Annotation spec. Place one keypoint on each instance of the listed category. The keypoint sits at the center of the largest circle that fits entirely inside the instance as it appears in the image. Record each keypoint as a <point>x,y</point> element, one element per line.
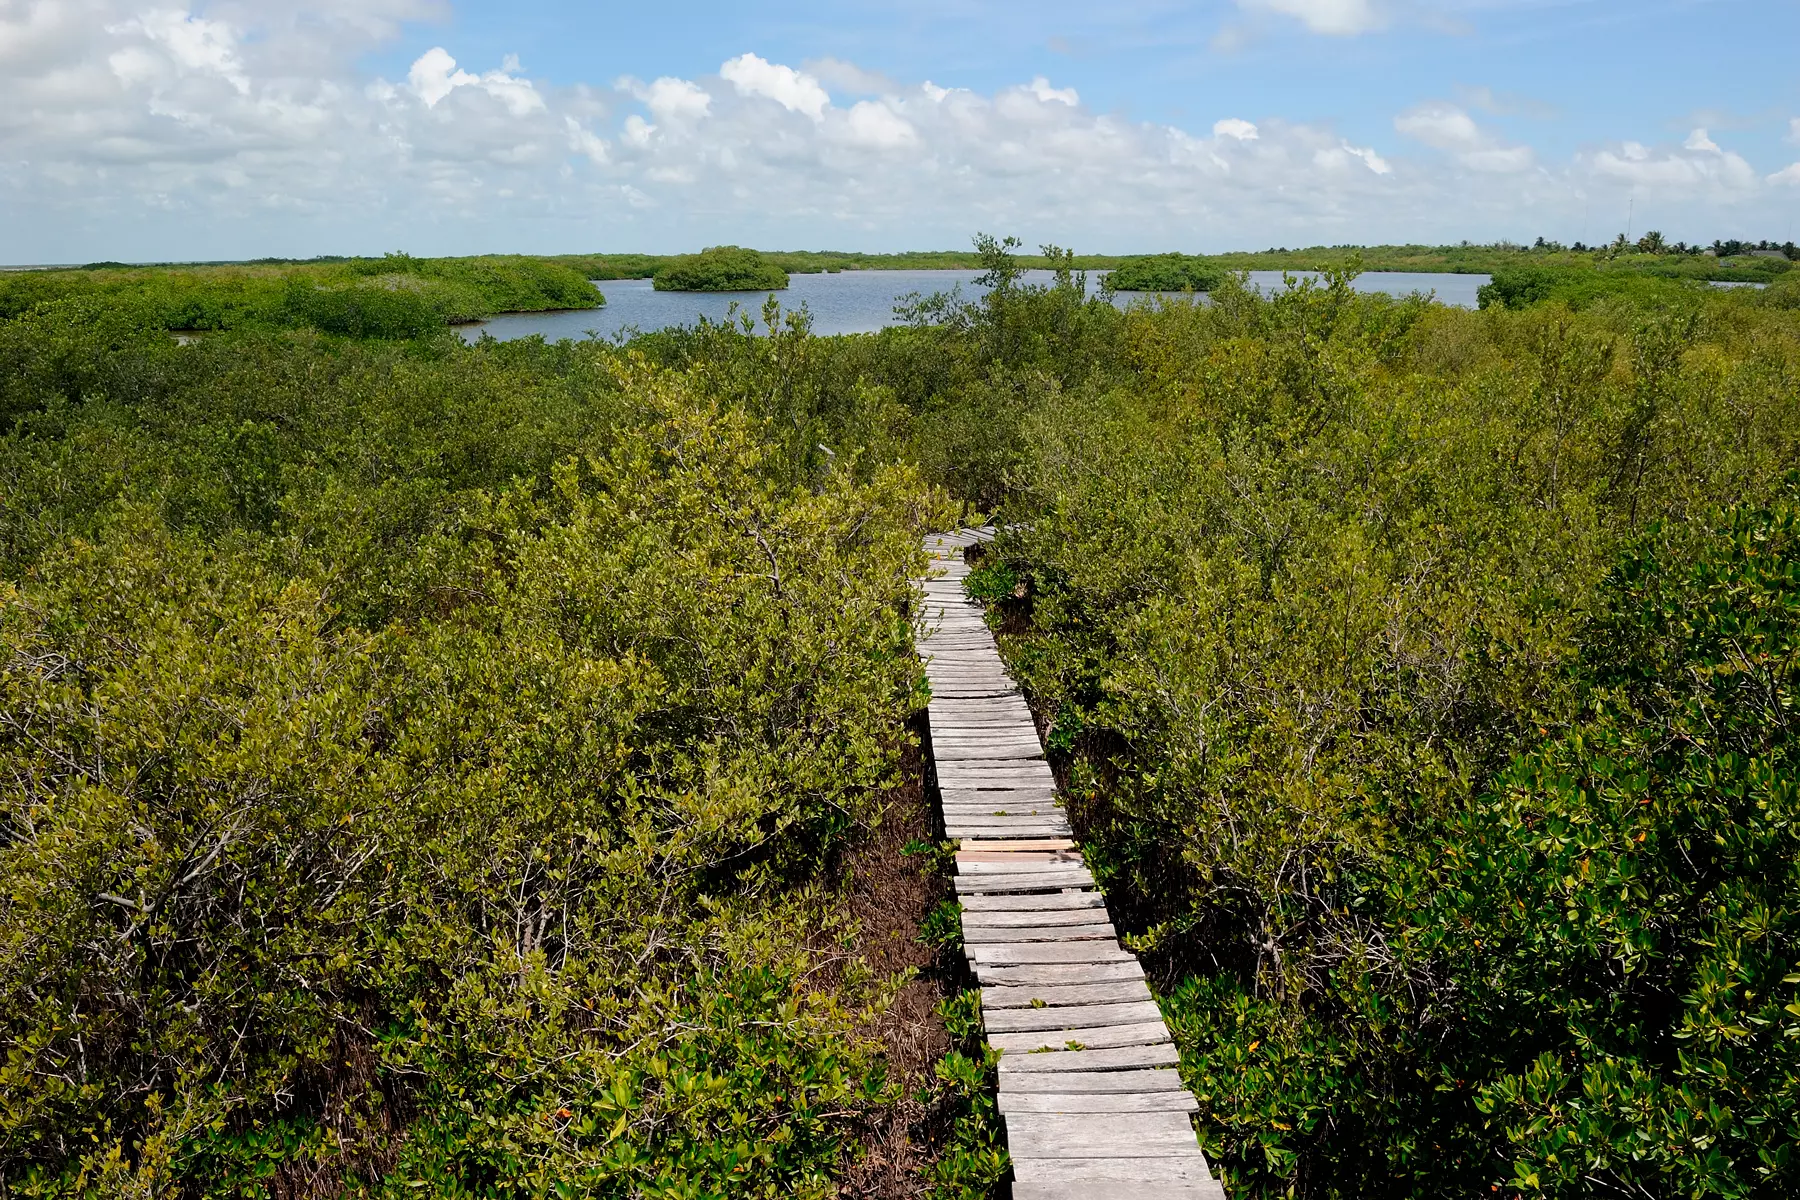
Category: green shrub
<point>250,936</point>
<point>1164,273</point>
<point>720,269</point>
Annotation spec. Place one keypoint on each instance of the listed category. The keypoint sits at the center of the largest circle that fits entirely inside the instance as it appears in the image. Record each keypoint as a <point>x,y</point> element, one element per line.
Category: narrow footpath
<point>1093,1104</point>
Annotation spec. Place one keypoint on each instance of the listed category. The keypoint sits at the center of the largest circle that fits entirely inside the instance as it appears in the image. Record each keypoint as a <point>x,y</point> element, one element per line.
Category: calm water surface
<point>853,301</point>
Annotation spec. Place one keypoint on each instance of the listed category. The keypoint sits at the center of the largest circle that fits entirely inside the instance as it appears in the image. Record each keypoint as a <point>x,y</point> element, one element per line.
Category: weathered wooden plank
<point>1002,803</point>
<point>1073,1016</point>
<point>1095,1135</point>
<point>993,774</point>
<point>1047,881</point>
<point>1066,1179</point>
<point>1025,845</point>
<point>1077,1061</point>
<point>988,751</point>
<point>1030,918</point>
<point>1018,864</point>
<point>1098,1037</point>
<point>997,999</point>
<point>1021,954</point>
<point>1099,1083</point>
<point>1097,1102</point>
<point>982,934</point>
<point>956,829</point>
<point>1180,1167</point>
<point>1052,902</point>
<point>1052,974</point>
<point>1041,794</point>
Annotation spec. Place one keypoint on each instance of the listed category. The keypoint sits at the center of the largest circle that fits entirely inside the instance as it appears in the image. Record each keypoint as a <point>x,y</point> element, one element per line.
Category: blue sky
<point>162,130</point>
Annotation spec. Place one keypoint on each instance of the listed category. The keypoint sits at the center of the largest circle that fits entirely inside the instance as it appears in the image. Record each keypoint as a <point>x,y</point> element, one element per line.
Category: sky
<point>157,131</point>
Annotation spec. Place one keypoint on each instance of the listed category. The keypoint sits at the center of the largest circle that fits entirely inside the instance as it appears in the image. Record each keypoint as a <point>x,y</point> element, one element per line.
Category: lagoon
<point>855,301</point>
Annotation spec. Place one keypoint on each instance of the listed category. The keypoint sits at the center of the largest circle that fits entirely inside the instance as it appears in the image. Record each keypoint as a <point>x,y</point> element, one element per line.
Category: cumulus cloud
<point>877,125</point>
<point>794,90</point>
<point>1698,167</point>
<point>250,129</point>
<point>434,75</point>
<point>190,44</point>
<point>1444,126</point>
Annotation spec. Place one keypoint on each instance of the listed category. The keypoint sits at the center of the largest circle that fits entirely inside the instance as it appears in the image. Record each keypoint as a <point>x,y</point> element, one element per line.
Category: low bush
<point>720,269</point>
<point>1164,273</point>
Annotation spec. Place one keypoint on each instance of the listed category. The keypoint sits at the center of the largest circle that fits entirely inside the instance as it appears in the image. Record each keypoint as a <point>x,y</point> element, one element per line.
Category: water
<point>853,301</point>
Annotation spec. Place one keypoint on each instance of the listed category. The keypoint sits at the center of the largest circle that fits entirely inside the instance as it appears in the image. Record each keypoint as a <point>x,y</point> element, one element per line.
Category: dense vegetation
<point>1164,273</point>
<point>396,296</point>
<point>432,767</point>
<point>720,269</point>
<point>1425,680</point>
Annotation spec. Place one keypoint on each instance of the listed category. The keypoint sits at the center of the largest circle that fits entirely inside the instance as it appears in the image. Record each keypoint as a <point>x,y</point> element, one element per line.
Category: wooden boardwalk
<point>1093,1105</point>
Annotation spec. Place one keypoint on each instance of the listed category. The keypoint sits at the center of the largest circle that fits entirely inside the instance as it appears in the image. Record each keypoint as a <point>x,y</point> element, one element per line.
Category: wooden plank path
<point>1093,1105</point>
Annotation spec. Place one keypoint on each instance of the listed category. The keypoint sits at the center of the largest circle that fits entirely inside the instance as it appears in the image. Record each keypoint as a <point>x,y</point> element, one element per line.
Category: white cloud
<point>679,102</point>
<point>1369,158</point>
<point>434,75</point>
<point>194,44</point>
<point>793,90</point>
<point>585,141</point>
<point>252,130</point>
<point>1794,130</point>
<point>877,125</point>
<point>1698,168</point>
<point>1333,17</point>
<point>1440,126</point>
<point>1444,126</point>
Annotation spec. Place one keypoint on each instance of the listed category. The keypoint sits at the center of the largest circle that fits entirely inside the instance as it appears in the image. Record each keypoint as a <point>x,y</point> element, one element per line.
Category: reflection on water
<point>854,301</point>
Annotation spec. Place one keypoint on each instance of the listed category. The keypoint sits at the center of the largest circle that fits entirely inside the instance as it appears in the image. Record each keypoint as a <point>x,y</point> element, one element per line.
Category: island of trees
<point>720,269</point>
<point>1164,273</point>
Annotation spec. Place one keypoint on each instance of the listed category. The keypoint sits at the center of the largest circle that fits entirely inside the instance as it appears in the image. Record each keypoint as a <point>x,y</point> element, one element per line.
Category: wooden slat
<point>1092,1135</point>
<point>1051,902</point>
<point>1099,1083</point>
<point>1097,1102</point>
<point>975,935</point>
<point>1031,918</point>
<point>1017,954</point>
<point>1074,1016</point>
<point>995,1000</point>
<point>1079,1061</point>
<point>1042,882</point>
<point>1065,1188</point>
<point>1055,974</point>
<point>1094,1038</point>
